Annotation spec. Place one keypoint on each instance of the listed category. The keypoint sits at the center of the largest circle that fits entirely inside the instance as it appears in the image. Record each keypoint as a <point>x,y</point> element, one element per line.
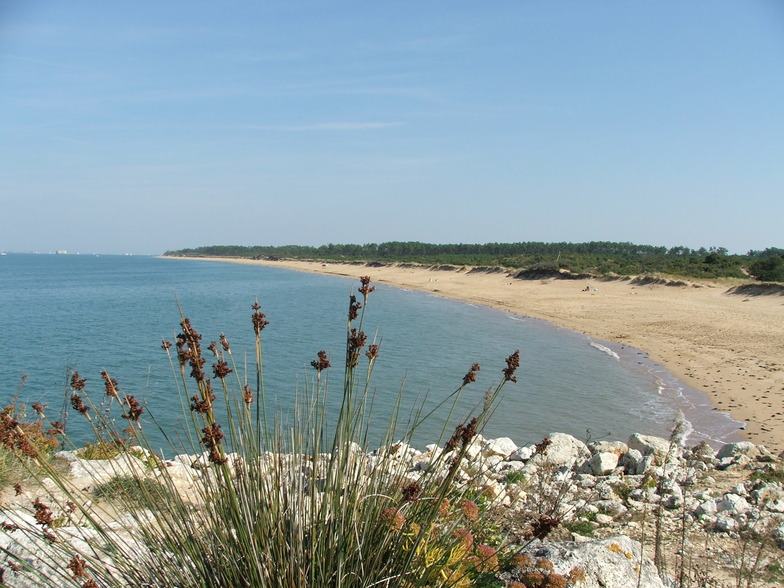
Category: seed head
<point>258,319</point>
<point>411,492</point>
<point>353,308</point>
<point>110,385</point>
<point>135,409</point>
<point>322,363</point>
<point>76,383</point>
<point>512,363</point>
<point>221,369</point>
<point>78,404</point>
<point>471,375</point>
<point>247,395</point>
<point>366,288</point>
<point>372,352</point>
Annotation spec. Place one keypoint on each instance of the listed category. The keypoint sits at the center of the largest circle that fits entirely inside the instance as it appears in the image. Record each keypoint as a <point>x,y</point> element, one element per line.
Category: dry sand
<point>729,346</point>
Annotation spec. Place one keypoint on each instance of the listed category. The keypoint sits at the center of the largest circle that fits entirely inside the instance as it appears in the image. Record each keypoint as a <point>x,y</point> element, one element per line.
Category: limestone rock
<point>615,562</point>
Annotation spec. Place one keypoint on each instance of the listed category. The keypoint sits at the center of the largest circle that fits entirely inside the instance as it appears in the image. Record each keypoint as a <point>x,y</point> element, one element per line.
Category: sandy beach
<point>729,346</point>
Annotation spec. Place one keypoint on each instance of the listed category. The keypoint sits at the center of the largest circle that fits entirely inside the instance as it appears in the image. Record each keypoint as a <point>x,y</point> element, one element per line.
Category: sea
<point>88,313</point>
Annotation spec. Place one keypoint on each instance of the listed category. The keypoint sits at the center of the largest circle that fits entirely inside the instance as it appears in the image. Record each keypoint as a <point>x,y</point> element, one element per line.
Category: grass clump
<point>135,491</point>
<point>264,504</point>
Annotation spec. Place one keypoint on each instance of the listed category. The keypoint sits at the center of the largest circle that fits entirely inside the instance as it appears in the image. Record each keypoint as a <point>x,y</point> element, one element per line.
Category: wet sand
<point>729,346</point>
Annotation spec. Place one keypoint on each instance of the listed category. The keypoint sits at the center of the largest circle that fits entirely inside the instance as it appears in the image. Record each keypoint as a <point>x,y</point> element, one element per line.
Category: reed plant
<point>255,498</point>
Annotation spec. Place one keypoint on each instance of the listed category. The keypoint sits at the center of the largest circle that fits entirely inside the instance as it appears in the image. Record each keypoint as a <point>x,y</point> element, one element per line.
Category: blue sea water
<point>91,313</point>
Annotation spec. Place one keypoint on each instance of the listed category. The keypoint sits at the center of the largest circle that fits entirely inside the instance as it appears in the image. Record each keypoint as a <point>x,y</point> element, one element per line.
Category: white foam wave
<point>604,349</point>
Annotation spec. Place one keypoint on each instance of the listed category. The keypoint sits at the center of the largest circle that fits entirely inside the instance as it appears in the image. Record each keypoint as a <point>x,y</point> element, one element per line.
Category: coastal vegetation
<point>246,496</point>
<point>596,257</point>
<point>265,499</point>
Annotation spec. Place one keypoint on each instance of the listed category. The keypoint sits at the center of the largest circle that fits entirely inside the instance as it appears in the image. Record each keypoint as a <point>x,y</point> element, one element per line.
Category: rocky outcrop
<point>609,490</point>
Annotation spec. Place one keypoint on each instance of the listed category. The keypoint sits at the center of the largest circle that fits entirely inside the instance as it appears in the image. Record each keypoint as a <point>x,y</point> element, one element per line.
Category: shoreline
<point>727,347</point>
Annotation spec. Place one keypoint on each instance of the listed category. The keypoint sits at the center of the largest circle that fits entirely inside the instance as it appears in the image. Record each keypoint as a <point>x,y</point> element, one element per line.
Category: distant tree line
<point>596,257</point>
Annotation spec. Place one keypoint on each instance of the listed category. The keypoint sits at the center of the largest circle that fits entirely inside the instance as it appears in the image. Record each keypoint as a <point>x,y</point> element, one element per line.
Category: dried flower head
<point>469,509</point>
<point>455,438</point>
<point>202,405</point>
<point>471,375</point>
<point>76,383</point>
<point>322,363</point>
<point>213,437</point>
<point>135,410</point>
<point>224,342</point>
<point>522,561</point>
<point>258,318</point>
<point>469,431</point>
<point>512,363</point>
<point>213,347</point>
<point>39,409</point>
<point>541,447</point>
<point>356,341</point>
<point>17,489</point>
<point>221,369</point>
<point>411,492</point>
<point>393,519</point>
<point>247,395</point>
<point>353,308</point>
<point>110,384</point>
<point>166,345</point>
<point>78,405</point>
<point>366,288</point>
<point>78,566</point>
<point>488,558</point>
<point>372,352</point>
<point>43,514</point>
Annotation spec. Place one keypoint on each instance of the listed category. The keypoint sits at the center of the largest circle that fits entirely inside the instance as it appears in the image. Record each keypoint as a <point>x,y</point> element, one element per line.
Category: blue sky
<point>146,126</point>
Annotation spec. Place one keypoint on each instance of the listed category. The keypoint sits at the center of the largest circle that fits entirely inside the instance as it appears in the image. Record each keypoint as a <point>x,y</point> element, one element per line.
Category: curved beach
<point>728,346</point>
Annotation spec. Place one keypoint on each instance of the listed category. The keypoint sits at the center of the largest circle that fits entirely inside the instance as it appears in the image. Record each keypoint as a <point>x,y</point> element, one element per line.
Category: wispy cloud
<point>334,126</point>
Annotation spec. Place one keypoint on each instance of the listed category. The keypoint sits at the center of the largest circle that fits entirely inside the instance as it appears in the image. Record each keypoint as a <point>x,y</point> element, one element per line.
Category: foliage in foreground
<point>263,504</point>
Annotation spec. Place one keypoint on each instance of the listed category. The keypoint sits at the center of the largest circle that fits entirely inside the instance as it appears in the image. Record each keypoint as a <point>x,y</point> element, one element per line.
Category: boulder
<point>603,464</point>
<point>654,446</point>
<point>502,446</point>
<point>563,450</point>
<point>616,562</point>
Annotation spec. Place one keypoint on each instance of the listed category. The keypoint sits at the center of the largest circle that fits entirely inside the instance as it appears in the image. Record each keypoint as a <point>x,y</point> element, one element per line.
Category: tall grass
<point>266,499</point>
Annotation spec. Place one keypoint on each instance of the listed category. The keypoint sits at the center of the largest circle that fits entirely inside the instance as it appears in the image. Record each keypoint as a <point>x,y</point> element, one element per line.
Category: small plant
<point>581,526</point>
<point>135,491</point>
<point>516,477</point>
<point>623,489</point>
<point>102,449</point>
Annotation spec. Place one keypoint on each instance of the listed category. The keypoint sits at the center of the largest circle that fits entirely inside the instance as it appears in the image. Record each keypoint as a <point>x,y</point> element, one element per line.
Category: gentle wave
<point>604,349</point>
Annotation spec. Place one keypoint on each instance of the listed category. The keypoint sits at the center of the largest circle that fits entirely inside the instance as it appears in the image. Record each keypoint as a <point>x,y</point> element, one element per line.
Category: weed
<point>517,477</point>
<point>135,491</point>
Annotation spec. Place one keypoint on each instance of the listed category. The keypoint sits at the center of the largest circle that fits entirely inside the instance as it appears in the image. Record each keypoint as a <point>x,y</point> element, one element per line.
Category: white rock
<point>502,446</point>
<point>655,446</point>
<point>563,450</point>
<point>522,454</point>
<point>616,562</point>
<point>733,504</point>
<point>602,464</point>
<point>739,448</point>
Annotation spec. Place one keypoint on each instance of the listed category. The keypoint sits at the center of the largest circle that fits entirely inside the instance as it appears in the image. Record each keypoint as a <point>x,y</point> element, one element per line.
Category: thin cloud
<point>339,126</point>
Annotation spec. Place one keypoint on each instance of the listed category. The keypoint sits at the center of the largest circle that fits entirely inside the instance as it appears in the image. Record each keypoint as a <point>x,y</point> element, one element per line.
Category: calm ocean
<point>94,313</point>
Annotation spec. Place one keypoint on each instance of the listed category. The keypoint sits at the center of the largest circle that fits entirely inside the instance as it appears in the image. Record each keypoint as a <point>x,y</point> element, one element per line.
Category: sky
<point>141,127</point>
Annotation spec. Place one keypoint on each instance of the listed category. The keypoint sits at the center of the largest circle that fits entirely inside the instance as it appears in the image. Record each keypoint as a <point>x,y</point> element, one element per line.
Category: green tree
<point>768,269</point>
